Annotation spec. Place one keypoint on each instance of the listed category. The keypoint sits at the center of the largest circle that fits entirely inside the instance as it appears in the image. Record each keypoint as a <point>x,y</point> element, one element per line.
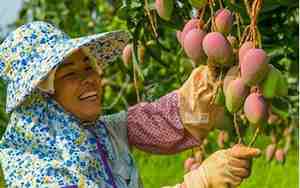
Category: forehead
<point>75,58</point>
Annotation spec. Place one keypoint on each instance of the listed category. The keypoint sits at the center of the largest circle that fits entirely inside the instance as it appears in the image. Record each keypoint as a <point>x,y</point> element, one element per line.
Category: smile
<point>92,95</point>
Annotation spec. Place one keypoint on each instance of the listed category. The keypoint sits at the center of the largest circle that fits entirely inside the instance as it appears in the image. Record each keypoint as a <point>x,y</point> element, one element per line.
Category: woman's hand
<point>198,112</point>
<point>223,169</point>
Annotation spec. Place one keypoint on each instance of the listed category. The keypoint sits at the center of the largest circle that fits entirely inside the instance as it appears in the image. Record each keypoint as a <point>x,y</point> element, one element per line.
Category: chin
<point>90,116</point>
<point>91,111</point>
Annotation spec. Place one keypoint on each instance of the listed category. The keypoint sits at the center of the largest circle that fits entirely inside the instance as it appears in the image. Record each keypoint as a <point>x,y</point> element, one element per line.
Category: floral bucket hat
<point>30,52</point>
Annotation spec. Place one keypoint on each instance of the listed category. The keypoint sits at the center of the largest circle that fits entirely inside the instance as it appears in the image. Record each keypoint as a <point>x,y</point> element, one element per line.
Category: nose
<point>86,78</point>
<point>89,78</point>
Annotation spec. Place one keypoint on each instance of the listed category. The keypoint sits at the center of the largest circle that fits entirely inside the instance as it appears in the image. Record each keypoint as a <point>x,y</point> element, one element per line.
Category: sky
<point>9,11</point>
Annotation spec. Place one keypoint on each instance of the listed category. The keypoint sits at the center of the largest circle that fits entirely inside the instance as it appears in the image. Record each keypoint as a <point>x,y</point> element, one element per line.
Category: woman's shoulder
<point>116,125</point>
<point>116,119</point>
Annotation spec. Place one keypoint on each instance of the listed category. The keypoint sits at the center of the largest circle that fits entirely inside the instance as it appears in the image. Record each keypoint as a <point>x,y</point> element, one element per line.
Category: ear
<point>47,94</point>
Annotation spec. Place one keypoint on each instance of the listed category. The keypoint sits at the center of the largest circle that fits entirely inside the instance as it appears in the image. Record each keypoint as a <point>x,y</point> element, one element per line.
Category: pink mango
<point>255,108</point>
<point>190,25</point>
<point>244,48</point>
<point>231,74</point>
<point>218,49</point>
<point>188,163</point>
<point>235,95</point>
<point>270,151</point>
<point>280,155</point>
<point>223,21</point>
<point>127,54</point>
<point>192,45</point>
<point>254,66</point>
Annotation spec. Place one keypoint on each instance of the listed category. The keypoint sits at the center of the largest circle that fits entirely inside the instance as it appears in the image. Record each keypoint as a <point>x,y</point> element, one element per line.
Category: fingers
<point>244,152</point>
<point>239,163</point>
<point>236,181</point>
<point>240,172</point>
<point>233,181</point>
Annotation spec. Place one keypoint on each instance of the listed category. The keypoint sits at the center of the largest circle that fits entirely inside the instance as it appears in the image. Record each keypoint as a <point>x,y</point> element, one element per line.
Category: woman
<point>57,138</point>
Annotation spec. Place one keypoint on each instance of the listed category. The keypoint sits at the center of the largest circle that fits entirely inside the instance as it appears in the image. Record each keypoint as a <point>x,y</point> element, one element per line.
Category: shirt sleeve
<point>156,127</point>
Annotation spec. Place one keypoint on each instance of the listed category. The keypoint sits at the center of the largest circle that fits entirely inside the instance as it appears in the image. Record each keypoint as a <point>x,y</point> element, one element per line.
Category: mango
<point>198,3</point>
<point>270,151</point>
<point>192,45</point>
<point>231,74</point>
<point>254,66</point>
<point>218,49</point>
<point>141,53</point>
<point>164,8</point>
<point>255,109</point>
<point>244,48</point>
<point>190,25</point>
<point>280,155</point>
<point>188,163</point>
<point>127,54</point>
<point>223,21</point>
<point>235,95</point>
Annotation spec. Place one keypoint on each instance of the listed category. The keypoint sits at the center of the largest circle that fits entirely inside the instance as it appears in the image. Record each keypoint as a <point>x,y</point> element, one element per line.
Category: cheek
<point>66,90</point>
<point>96,79</point>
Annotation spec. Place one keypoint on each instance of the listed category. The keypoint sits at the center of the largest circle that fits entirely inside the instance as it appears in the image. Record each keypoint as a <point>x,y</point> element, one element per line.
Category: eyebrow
<point>66,65</point>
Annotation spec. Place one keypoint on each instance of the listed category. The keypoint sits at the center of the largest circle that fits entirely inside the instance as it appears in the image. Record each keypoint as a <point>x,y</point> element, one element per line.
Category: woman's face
<point>78,87</point>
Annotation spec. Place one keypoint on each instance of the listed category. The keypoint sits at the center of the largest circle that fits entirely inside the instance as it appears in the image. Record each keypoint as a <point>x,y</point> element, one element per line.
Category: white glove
<point>223,169</point>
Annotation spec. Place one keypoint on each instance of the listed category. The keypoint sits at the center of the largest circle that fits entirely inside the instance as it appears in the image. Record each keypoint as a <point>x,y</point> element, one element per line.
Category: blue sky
<point>9,11</point>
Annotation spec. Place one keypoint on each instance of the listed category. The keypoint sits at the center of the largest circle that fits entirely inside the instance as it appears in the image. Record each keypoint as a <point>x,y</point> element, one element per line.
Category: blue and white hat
<point>30,52</point>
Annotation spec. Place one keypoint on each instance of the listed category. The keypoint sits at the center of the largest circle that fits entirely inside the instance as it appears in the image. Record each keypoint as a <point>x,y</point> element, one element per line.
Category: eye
<point>86,59</point>
<point>69,75</point>
<point>89,68</point>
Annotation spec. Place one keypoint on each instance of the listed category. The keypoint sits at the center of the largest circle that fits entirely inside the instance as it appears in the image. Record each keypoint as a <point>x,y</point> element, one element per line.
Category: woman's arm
<point>177,121</point>
<point>157,127</point>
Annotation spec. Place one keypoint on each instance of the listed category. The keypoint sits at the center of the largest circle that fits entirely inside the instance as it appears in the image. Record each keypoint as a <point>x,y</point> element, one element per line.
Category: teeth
<point>88,94</point>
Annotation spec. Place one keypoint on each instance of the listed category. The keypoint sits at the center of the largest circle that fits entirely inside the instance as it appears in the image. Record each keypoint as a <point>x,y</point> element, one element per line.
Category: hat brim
<point>105,46</point>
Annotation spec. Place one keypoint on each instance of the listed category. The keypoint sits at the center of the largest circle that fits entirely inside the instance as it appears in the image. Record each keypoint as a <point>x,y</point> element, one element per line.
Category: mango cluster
<point>250,79</point>
<point>251,83</point>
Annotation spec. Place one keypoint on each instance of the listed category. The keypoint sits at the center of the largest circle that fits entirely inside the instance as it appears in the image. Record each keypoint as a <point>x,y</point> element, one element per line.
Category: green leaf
<point>123,13</point>
<point>238,8</point>
<point>281,107</point>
